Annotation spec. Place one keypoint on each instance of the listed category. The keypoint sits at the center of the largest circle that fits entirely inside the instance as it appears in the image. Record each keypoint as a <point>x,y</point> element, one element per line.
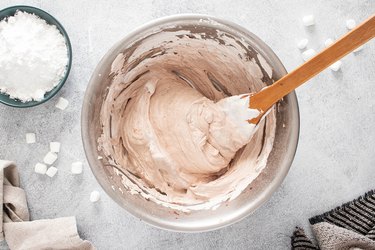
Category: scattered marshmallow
<point>30,138</point>
<point>76,167</point>
<point>358,49</point>
<point>54,146</point>
<point>308,20</point>
<point>40,168</point>
<point>336,66</point>
<point>51,171</point>
<point>307,54</point>
<point>350,24</point>
<point>302,43</point>
<point>62,103</point>
<point>50,158</point>
<point>94,196</point>
<point>100,158</point>
<point>328,42</point>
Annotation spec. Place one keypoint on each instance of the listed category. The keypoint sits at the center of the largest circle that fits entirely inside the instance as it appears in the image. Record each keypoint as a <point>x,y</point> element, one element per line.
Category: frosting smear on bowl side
<point>175,117</point>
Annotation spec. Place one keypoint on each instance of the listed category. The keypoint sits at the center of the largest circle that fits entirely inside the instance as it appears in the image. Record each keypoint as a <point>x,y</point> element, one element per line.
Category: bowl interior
<point>4,98</point>
<point>253,196</point>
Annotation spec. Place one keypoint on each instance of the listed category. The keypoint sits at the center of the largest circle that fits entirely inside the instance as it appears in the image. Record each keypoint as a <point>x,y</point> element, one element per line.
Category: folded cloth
<point>348,227</point>
<point>19,232</point>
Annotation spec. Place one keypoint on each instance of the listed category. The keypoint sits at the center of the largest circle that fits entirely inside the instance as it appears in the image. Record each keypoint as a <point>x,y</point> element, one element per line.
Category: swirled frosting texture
<point>168,126</point>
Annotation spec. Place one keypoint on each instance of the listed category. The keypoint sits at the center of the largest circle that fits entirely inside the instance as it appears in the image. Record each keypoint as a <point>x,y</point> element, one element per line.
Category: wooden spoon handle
<point>264,99</point>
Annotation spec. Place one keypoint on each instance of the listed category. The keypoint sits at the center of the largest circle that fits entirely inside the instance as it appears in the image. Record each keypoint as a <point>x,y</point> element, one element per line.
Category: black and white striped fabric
<point>300,241</point>
<point>354,221</point>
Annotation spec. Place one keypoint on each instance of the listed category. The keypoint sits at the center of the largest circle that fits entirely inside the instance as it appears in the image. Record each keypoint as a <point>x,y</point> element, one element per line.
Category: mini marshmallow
<point>100,158</point>
<point>350,24</point>
<point>302,43</point>
<point>308,20</point>
<point>54,146</point>
<point>50,158</point>
<point>94,196</point>
<point>62,103</point>
<point>336,66</point>
<point>51,171</point>
<point>307,54</point>
<point>76,167</point>
<point>40,168</point>
<point>328,42</point>
<point>30,138</point>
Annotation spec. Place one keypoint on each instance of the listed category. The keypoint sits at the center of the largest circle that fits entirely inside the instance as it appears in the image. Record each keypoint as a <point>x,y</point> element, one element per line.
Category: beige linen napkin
<point>19,232</point>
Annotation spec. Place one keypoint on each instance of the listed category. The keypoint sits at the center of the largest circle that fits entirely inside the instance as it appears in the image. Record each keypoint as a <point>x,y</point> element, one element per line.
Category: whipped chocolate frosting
<point>169,128</point>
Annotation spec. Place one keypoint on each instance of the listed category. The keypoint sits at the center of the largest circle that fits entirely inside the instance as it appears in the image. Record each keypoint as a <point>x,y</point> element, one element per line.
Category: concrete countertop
<point>335,161</point>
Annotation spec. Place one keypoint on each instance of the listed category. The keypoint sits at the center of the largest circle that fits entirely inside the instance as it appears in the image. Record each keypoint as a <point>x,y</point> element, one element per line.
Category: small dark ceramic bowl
<point>10,11</point>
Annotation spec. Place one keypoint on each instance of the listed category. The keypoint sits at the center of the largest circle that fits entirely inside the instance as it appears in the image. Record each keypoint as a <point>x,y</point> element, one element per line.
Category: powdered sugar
<point>33,56</point>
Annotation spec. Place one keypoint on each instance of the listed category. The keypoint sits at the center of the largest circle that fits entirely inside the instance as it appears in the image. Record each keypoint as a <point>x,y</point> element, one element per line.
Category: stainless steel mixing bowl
<point>258,192</point>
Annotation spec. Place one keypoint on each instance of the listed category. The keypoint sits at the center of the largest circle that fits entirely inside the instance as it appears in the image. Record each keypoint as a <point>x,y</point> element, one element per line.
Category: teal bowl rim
<point>52,92</point>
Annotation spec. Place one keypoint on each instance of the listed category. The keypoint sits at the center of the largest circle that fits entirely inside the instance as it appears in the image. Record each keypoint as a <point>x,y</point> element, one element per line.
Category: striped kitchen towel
<point>348,227</point>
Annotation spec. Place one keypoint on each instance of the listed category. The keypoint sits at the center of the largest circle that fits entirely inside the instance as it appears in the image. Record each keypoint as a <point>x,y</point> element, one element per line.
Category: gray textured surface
<point>335,160</point>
